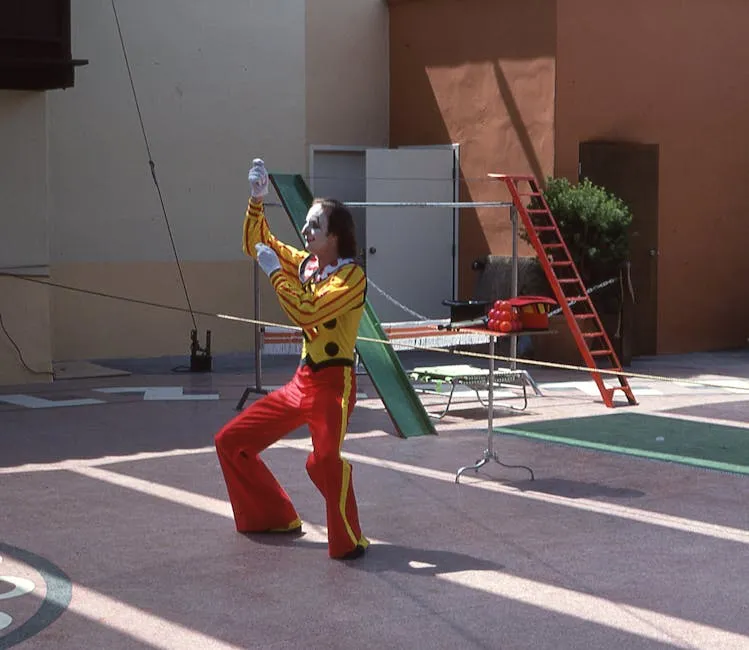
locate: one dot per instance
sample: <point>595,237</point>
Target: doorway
<point>630,171</point>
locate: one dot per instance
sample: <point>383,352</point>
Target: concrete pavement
<point>115,529</point>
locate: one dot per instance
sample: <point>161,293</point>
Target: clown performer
<point>322,290</point>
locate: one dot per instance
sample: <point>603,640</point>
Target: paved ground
<point>115,530</point>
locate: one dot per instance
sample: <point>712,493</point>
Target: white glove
<point>258,178</point>
<point>267,259</point>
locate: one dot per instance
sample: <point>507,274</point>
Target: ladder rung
<point>561,263</point>
<point>584,316</point>
<point>544,228</point>
<point>553,245</point>
<point>538,211</point>
<point>577,298</point>
<point>601,353</point>
<point>592,335</point>
<point>569,281</point>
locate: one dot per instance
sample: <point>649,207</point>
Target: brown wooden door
<point>630,171</point>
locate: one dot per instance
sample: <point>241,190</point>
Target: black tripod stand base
<point>490,455</point>
<point>246,394</point>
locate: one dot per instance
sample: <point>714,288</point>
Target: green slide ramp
<point>382,364</point>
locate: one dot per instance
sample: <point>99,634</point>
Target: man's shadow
<point>382,558</point>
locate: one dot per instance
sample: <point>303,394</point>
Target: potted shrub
<point>595,227</point>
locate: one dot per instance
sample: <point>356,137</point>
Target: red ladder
<point>564,279</point>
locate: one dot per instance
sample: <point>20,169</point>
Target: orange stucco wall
<point>677,74</point>
<point>479,73</point>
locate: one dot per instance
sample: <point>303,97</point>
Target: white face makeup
<point>315,230</point>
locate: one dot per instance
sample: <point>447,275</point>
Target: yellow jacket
<point>326,303</point>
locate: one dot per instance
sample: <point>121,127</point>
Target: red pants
<point>323,400</point>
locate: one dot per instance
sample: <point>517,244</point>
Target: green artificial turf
<point>714,446</point>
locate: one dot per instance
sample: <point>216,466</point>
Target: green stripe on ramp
<point>382,364</point>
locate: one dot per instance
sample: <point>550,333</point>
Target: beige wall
<point>94,327</point>
<point>25,314</point>
<point>217,85</point>
<point>481,74</point>
<point>23,164</point>
<point>215,89</point>
<point>24,245</point>
<point>347,72</point>
<point>671,73</point>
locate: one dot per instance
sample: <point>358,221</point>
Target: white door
<point>339,172</point>
<point>410,250</point>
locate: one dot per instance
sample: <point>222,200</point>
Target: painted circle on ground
<point>57,592</point>
<point>21,587</point>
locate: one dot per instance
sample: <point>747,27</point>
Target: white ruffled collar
<point>310,268</point>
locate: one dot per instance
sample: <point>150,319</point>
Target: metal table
<point>490,453</point>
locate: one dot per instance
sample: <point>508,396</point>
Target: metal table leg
<point>447,406</point>
<point>489,453</point>
<point>532,382</point>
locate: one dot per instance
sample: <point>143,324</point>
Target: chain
<point>395,302</point>
<point>603,284</point>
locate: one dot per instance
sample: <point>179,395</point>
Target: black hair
<point>340,224</point>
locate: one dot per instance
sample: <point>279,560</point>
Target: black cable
<point>103,294</point>
<point>449,352</point>
<point>20,354</point>
<point>152,164</point>
<point>100,294</point>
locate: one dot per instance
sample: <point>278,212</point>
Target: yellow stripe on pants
<point>346,467</point>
